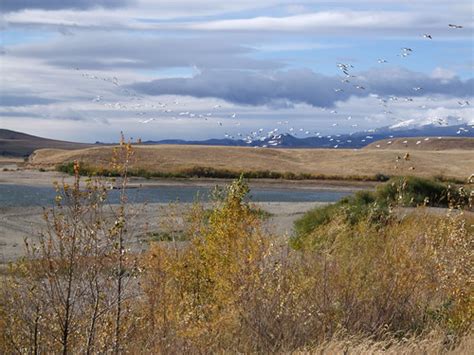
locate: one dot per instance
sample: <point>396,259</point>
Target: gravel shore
<point>18,223</point>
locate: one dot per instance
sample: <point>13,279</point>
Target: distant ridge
<point>355,140</point>
<point>17,144</point>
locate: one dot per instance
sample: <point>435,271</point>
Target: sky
<point>84,70</point>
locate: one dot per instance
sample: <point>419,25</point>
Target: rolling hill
<point>348,164</point>
<point>16,144</point>
<point>424,143</point>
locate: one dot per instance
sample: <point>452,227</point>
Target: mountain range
<point>355,140</point>
<point>21,144</point>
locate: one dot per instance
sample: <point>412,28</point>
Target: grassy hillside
<point>16,144</point>
<point>424,143</point>
<point>343,163</point>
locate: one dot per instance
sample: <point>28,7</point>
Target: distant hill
<point>18,144</point>
<point>355,140</point>
<point>424,143</point>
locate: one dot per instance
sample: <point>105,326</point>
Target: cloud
<point>7,113</point>
<point>306,86</point>
<point>256,17</point>
<point>107,50</point>
<point>340,20</point>
<point>343,22</point>
<point>18,5</point>
<point>23,100</point>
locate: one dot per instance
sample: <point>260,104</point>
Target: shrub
<point>414,191</point>
<point>381,177</point>
<point>397,192</point>
<point>210,172</point>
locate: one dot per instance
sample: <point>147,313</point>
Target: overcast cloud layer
<point>84,70</point>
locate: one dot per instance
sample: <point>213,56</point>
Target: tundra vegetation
<point>358,276</point>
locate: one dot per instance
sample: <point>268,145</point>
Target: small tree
<point>73,283</point>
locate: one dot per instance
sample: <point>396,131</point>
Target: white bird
<point>427,36</point>
<point>381,61</point>
<point>147,120</point>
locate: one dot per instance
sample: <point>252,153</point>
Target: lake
<point>24,196</point>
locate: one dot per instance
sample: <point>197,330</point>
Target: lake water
<point>24,196</point>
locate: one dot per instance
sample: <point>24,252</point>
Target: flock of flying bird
<point>261,137</point>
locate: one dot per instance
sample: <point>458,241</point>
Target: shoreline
<point>18,223</point>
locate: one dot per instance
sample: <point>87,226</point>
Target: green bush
<point>375,206</point>
<point>413,191</point>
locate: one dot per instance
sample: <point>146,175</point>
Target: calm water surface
<point>20,195</point>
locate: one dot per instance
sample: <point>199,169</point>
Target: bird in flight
<point>427,36</point>
<point>454,26</point>
<point>147,120</point>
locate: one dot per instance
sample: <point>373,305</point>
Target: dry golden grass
<point>432,344</point>
<point>325,162</point>
<point>433,143</point>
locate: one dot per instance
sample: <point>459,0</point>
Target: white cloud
<point>443,74</point>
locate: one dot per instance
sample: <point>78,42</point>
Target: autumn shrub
<point>71,293</point>
<point>192,291</point>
